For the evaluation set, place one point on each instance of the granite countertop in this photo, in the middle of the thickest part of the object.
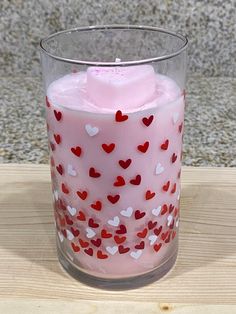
(210, 121)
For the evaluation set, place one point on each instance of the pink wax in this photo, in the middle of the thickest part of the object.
(116, 158)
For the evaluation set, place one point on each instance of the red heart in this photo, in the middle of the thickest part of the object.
(138, 214)
(113, 198)
(173, 234)
(83, 243)
(157, 231)
(64, 189)
(176, 211)
(57, 138)
(93, 173)
(121, 117)
(62, 221)
(172, 224)
(180, 127)
(119, 181)
(173, 158)
(64, 233)
(165, 145)
(157, 247)
(68, 220)
(119, 240)
(148, 121)
(81, 216)
(108, 148)
(58, 115)
(136, 180)
(140, 246)
(83, 195)
(97, 205)
(164, 235)
(123, 250)
(125, 163)
(52, 146)
(60, 169)
(105, 234)
(96, 242)
(47, 102)
(122, 229)
(149, 195)
(75, 232)
(142, 234)
(173, 189)
(76, 151)
(62, 205)
(166, 186)
(151, 224)
(75, 247)
(101, 255)
(92, 223)
(168, 238)
(89, 251)
(171, 208)
(164, 209)
(144, 147)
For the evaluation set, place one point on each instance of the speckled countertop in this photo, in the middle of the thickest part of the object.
(210, 121)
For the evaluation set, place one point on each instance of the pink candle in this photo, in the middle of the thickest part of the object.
(116, 137)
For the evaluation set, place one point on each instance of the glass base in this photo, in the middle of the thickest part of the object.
(133, 282)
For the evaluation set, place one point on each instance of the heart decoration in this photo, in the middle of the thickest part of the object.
(112, 249)
(127, 212)
(76, 151)
(114, 222)
(58, 115)
(136, 180)
(159, 169)
(143, 147)
(156, 211)
(71, 210)
(147, 121)
(90, 233)
(83, 195)
(152, 239)
(125, 163)
(108, 148)
(71, 171)
(119, 117)
(137, 254)
(92, 131)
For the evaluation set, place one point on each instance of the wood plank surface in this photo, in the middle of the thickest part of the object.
(32, 281)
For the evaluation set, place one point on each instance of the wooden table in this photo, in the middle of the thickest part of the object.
(203, 280)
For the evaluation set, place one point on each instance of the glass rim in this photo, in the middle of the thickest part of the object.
(115, 27)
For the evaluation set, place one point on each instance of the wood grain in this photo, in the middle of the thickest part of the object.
(204, 275)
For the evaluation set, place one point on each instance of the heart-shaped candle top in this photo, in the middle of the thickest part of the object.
(121, 87)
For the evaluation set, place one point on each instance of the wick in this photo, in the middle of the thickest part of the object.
(117, 60)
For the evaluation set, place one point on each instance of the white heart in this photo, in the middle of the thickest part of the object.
(136, 254)
(70, 235)
(71, 171)
(90, 233)
(128, 212)
(114, 222)
(56, 195)
(91, 130)
(175, 117)
(156, 211)
(152, 239)
(112, 249)
(60, 235)
(177, 223)
(159, 168)
(169, 220)
(71, 210)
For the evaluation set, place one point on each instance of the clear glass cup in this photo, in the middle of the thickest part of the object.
(115, 99)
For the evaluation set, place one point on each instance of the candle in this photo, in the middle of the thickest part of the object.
(115, 136)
